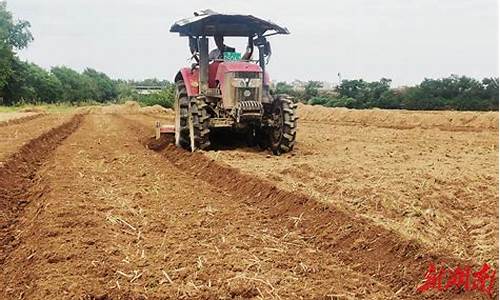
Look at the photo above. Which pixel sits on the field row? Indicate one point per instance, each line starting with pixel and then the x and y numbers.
pixel 355 212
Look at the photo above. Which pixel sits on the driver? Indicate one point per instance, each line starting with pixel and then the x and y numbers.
pixel 218 53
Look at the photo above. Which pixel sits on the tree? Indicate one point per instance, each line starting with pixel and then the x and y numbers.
pixel 390 99
pixel 105 89
pixel 318 100
pixel 14 35
pixel 312 89
pixel 16 88
pixel 284 88
pixel 75 87
pixel 365 94
pixel 165 97
pixel 47 87
pixel 352 88
pixel 6 58
pixel 490 92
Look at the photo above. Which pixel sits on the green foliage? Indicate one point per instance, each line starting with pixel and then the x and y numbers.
pixel 125 90
pixel 283 88
pixel 312 89
pixel 15 35
pixel 29 83
pixel 366 94
pixel 452 93
pixel 318 101
pixel 75 86
pixel 165 97
pixel 6 58
pixel 149 82
pixel 390 99
pixel 103 87
pixel 15 88
pixel 47 87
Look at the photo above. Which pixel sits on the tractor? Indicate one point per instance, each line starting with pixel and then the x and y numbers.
pixel 225 90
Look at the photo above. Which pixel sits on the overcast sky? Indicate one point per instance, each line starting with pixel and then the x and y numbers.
pixel 405 40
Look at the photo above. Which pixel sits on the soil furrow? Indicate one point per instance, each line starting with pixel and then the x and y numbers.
pixel 18 178
pixel 454 128
pixel 20 120
pixel 366 247
pixel 13 137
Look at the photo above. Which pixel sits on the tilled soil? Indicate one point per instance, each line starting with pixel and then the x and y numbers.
pixel 8 118
pixel 18 131
pixel 93 214
pixel 437 186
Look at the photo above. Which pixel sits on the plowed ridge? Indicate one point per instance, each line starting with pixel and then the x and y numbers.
pixel 16 134
pixel 17 118
pixel 402 119
pixel 18 178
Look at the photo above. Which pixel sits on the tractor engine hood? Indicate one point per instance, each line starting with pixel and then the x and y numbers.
pixel 238 67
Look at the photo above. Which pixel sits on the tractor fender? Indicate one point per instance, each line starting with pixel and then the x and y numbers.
pixel 190 78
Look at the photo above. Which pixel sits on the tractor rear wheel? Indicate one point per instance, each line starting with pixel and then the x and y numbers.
pixel 200 132
pixel 283 131
pixel 181 116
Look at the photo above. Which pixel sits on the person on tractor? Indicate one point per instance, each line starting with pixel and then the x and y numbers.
pixel 218 53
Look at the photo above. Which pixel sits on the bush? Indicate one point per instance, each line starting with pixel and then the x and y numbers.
pixel 318 100
pixel 164 98
pixel 345 102
pixel 452 93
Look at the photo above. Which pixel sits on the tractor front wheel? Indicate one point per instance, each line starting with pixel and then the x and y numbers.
pixel 199 124
pixel 284 124
pixel 181 107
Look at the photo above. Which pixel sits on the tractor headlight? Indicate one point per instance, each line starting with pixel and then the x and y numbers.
pixel 255 83
pixel 239 82
pixel 247 93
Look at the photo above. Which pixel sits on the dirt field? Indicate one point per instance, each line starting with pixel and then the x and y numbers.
pixel 358 211
pixel 10 118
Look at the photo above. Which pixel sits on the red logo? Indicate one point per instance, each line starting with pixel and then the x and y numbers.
pixel 464 278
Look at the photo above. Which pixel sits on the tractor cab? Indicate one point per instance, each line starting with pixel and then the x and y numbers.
pixel 224 87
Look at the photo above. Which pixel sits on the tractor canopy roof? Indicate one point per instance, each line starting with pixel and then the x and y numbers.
pixel 210 23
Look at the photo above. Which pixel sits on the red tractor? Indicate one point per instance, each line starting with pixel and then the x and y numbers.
pixel 225 90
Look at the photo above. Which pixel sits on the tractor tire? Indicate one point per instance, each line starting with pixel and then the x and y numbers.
pixel 181 107
pixel 283 131
pixel 200 124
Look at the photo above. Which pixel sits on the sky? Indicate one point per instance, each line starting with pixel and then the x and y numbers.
pixel 404 40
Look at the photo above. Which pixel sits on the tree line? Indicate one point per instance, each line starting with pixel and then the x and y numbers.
pixel 450 93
